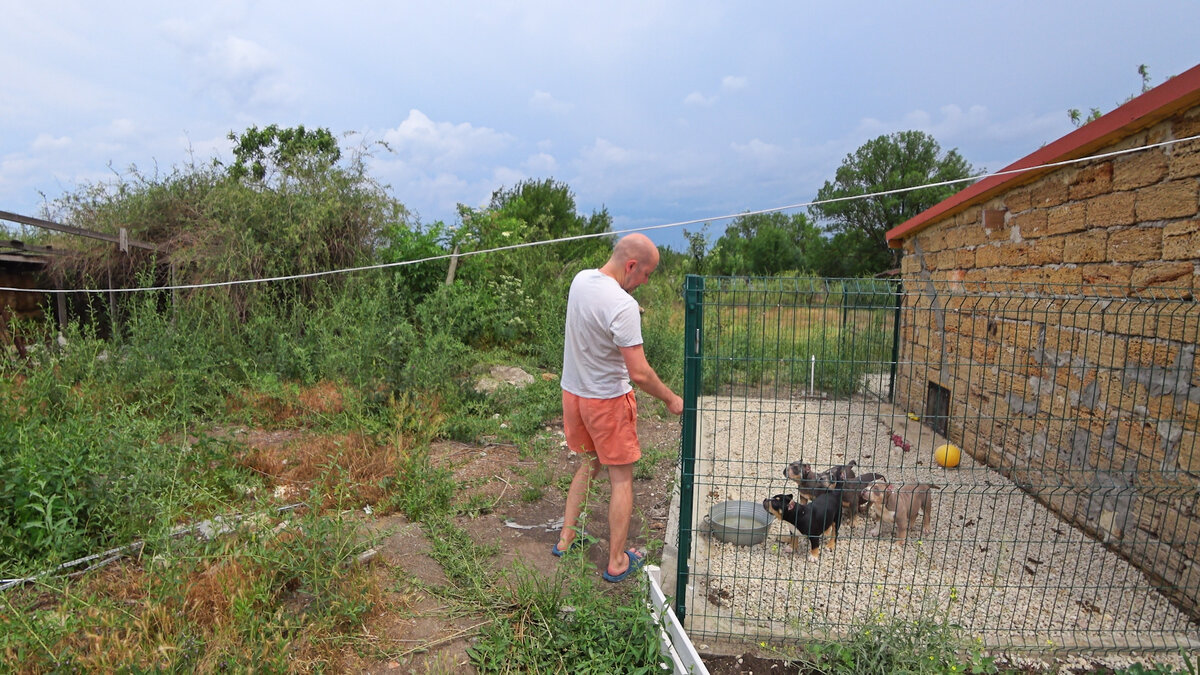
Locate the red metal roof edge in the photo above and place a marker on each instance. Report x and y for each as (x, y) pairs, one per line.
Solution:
(1168, 96)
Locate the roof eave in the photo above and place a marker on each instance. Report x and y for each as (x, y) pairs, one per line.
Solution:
(1168, 98)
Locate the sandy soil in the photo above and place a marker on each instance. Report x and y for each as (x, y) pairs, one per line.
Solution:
(996, 562)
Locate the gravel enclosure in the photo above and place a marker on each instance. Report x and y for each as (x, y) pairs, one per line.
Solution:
(997, 563)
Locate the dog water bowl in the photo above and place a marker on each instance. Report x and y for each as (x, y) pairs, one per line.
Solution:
(738, 522)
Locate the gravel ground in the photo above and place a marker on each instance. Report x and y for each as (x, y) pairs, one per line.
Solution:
(997, 563)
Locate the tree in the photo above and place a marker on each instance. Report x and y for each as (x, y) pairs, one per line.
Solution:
(765, 244)
(697, 248)
(1094, 114)
(287, 151)
(537, 210)
(901, 160)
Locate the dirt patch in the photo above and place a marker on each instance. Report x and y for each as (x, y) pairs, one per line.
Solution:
(524, 497)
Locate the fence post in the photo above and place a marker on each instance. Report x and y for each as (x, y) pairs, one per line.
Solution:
(693, 320)
(899, 291)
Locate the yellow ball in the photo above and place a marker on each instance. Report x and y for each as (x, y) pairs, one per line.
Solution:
(946, 455)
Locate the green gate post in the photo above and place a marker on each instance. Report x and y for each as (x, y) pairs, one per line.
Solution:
(899, 290)
(693, 301)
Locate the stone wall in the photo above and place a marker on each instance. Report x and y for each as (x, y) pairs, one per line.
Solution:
(1061, 316)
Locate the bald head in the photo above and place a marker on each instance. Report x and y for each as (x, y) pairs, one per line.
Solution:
(633, 259)
(637, 247)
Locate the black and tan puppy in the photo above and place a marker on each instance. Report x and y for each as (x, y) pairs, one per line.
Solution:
(819, 518)
(808, 483)
(838, 478)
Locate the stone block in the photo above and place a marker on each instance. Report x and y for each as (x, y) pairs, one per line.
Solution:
(1087, 314)
(1029, 224)
(1144, 354)
(1179, 321)
(1105, 351)
(932, 239)
(1189, 452)
(1046, 251)
(1139, 169)
(1105, 277)
(1130, 318)
(968, 217)
(1019, 200)
(1090, 246)
(1117, 208)
(1184, 160)
(1135, 244)
(1070, 217)
(1177, 528)
(1048, 192)
(1186, 125)
(1181, 240)
(1064, 275)
(1171, 278)
(973, 235)
(1177, 199)
(988, 256)
(1091, 181)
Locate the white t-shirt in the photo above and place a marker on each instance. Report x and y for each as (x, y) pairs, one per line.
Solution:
(601, 318)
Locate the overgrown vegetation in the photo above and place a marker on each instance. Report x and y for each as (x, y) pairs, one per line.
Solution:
(130, 430)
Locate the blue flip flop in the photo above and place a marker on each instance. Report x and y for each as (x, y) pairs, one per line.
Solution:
(579, 541)
(635, 563)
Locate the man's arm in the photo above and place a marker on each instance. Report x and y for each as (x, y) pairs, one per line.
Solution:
(645, 378)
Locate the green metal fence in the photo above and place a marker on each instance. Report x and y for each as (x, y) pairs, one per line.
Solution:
(1071, 523)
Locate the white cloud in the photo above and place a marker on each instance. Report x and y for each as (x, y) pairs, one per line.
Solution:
(422, 142)
(971, 129)
(507, 176)
(697, 99)
(757, 150)
(545, 102)
(46, 142)
(122, 128)
(542, 164)
(238, 71)
(733, 83)
(605, 153)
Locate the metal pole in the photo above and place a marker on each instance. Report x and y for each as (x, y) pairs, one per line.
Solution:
(899, 289)
(693, 373)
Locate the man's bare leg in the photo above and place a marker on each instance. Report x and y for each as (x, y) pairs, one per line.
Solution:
(620, 510)
(588, 468)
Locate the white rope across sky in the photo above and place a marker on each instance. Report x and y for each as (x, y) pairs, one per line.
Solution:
(681, 223)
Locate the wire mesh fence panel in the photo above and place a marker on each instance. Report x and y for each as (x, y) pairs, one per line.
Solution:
(1065, 516)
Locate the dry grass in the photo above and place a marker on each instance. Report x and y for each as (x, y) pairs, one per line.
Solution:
(336, 464)
(292, 405)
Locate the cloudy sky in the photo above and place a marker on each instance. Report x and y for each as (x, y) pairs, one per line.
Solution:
(660, 112)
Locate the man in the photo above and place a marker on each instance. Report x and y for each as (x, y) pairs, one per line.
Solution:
(603, 352)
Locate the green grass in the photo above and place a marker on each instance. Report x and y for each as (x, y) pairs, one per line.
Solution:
(646, 467)
(107, 442)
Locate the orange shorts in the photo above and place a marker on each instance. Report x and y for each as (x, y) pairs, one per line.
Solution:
(605, 426)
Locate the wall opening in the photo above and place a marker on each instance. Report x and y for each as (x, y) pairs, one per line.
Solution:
(937, 407)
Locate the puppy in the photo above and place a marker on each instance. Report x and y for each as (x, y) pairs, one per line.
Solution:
(819, 518)
(855, 494)
(808, 483)
(901, 504)
(841, 478)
